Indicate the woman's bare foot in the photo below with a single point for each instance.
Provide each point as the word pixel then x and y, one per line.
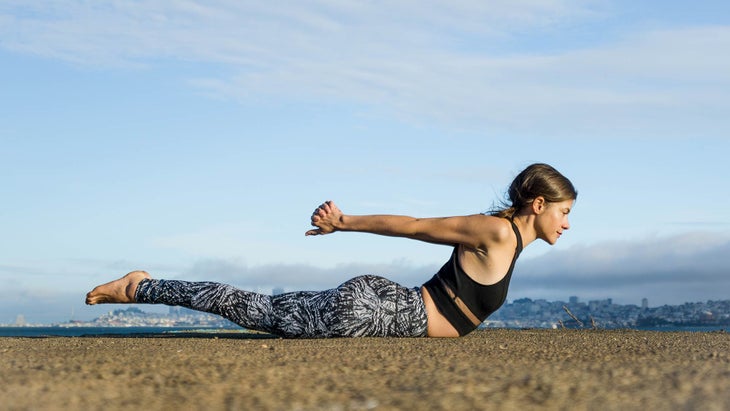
pixel 117 291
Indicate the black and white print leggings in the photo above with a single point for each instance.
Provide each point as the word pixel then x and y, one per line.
pixel 365 306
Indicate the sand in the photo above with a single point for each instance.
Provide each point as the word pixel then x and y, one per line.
pixel 490 369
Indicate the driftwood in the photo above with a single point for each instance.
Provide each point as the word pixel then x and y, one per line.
pixel 573 317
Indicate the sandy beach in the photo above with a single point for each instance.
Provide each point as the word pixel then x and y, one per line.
pixel 489 369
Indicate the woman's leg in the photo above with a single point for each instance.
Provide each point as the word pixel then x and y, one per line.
pixel 299 314
pixel 250 310
pixel 247 309
pixel 363 306
pixel 373 306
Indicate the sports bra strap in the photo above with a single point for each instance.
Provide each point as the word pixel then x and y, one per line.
pixel 518 249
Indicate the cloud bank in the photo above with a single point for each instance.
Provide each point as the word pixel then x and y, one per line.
pixel 667 270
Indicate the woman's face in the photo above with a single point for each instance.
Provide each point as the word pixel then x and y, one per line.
pixel 552 220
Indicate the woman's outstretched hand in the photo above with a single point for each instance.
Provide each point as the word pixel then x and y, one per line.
pixel 325 218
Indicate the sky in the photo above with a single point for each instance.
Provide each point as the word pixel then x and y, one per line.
pixel 193 139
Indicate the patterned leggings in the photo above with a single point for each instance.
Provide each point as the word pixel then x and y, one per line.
pixel 365 306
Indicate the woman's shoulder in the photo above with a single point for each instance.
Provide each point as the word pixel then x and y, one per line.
pixel 497 230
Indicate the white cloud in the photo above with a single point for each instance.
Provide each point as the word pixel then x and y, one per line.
pixel 441 60
pixel 254 33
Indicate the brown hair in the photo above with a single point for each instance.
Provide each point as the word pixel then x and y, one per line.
pixel 535 181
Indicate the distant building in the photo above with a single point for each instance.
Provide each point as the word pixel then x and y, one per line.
pixel 20 320
pixel 277 291
pixel 600 304
pixel 644 303
pixel 573 300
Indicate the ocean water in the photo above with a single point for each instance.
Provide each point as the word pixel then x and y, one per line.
pixel 85 331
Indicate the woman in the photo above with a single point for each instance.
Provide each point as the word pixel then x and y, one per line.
pixel 466 290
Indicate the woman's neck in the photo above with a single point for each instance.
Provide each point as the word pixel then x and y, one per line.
pixel 526 224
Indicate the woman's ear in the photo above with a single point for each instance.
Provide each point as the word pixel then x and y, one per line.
pixel 539 204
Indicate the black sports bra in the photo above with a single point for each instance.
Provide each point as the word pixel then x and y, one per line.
pixel 464 302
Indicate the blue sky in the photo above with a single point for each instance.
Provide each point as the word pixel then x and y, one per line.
pixel 194 139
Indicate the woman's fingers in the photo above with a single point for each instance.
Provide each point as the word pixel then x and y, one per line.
pixel 321 218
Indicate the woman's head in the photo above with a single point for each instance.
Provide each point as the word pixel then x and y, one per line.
pixel 537 180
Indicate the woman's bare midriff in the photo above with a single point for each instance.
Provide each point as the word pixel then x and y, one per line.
pixel 438 325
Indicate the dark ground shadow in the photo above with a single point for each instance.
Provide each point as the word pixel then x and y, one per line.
pixel 189 334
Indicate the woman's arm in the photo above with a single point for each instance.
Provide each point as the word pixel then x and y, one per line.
pixel 475 231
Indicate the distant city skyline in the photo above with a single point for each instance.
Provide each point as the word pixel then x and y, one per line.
pixel 520 313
